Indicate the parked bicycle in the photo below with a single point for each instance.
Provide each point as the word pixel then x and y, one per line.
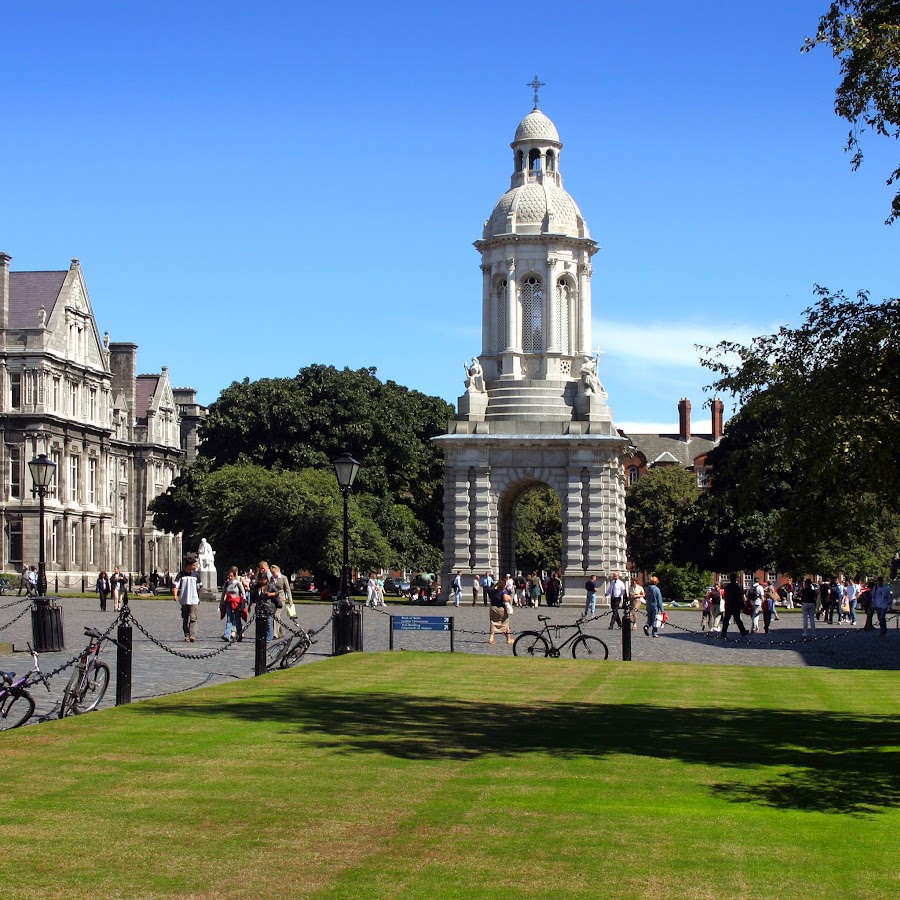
pixel 90 678
pixel 16 703
pixel 584 646
pixel 285 652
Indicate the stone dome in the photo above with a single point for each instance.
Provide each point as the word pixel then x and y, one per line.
pixel 536 208
pixel 536 127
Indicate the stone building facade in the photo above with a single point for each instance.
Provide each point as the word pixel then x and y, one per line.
pixel 118 438
pixel 534 412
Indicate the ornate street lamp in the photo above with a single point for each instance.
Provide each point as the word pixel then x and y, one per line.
pixel 42 471
pixel 346 469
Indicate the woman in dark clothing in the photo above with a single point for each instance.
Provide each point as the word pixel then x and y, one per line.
pixel 103 589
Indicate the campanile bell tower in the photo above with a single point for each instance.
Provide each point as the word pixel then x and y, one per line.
pixel 534 411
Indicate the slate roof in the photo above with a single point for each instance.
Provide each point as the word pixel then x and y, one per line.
pixel 654 446
pixel 145 388
pixel 28 292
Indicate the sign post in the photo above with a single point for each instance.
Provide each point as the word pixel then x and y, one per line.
pixel 420 623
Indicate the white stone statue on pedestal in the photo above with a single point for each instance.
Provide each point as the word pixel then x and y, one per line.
pixel 589 380
pixel 474 377
pixel 206 557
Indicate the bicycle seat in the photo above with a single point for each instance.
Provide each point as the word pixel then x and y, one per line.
pixel 92 632
pixel 8 676
pixel 543 618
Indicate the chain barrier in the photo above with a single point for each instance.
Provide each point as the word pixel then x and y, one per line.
pixel 177 653
pixel 16 619
pixel 25 599
pixel 194 687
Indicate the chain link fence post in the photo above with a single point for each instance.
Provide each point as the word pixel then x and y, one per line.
pixel 626 629
pixel 262 624
pixel 123 657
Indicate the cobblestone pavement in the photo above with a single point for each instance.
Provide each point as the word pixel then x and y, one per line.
pixel 157 672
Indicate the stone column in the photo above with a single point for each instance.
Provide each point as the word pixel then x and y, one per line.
pixel 584 308
pixel 550 317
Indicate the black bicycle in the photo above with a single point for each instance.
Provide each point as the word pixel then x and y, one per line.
pixel 90 677
pixel 584 646
pixel 285 652
pixel 16 703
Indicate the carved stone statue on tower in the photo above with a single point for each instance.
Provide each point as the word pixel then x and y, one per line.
pixel 474 377
pixel 590 381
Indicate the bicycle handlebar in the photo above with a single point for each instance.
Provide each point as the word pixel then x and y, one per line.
pixel 99 636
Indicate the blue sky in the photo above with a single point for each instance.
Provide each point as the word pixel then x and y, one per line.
pixel 252 188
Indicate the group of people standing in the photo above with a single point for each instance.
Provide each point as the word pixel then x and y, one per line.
pixel 266 585
pixel 524 590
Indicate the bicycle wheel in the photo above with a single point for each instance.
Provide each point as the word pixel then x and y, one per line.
pixel 295 653
pixel 15 710
pixel 91 688
pixel 274 653
pixel 530 643
pixel 589 647
pixel 67 706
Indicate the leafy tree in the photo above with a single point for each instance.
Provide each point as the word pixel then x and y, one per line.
pixel 865 36
pixel 682 582
pixel 652 506
pixel 295 519
pixel 539 531
pixel 814 445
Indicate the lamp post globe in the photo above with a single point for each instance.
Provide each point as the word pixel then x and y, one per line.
pixel 42 471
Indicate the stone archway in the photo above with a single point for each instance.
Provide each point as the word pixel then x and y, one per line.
pixel 508 522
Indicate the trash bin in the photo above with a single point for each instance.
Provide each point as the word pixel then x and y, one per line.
pixel 47 625
pixel 346 628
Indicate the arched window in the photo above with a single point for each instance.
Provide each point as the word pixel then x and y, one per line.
pixel 520 161
pixel 551 161
pixel 633 474
pixel 534 160
pixel 532 314
pixel 564 294
pixel 502 333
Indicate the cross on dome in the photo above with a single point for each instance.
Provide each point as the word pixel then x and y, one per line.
pixel 535 85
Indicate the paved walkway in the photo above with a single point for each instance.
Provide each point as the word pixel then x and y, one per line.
pixel 157 672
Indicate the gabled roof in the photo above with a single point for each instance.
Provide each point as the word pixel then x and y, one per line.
pixel 28 292
pixel 656 446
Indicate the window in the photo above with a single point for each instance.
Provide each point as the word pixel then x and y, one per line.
pixel 92 479
pixel 55 540
pixel 502 333
pixel 73 543
pixel 15 471
pixel 703 477
pixel 15 390
pixel 93 404
pixel 15 541
pixel 534 160
pixel 633 474
pixel 123 470
pixel 56 456
pixel 532 315
pixel 73 398
pixel 74 471
pixel 123 510
pixel 92 545
pixel 563 297
pixel 56 394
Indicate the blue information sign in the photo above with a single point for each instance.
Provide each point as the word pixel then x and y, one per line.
pixel 422 623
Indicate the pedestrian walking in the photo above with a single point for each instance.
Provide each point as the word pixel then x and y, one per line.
pixel 615 591
pixel 809 596
pixel 119 584
pixel 654 601
pixel 590 600
pixel 102 587
pixel 882 602
pixel 187 592
pixel 233 606
pixel 283 596
pixel 501 610
pixel 734 605
pixel 456 587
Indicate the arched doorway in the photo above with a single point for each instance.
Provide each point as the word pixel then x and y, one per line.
pixel 530 528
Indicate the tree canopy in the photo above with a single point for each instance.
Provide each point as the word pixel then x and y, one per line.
pixel 813 449
pixel 264 477
pixel 865 36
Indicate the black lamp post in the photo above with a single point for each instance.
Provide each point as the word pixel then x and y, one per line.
pixel 42 471
pixel 346 469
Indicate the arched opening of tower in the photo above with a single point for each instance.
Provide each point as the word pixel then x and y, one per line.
pixel 534 526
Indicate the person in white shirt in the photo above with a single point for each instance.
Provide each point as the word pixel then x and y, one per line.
pixel 187 592
pixel 616 593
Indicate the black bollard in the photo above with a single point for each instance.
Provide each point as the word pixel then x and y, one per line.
pixel 123 659
pixel 262 626
pixel 626 629
pixel 57 585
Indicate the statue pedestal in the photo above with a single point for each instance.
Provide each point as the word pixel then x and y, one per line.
pixel 209 588
pixel 473 405
pixel 592 407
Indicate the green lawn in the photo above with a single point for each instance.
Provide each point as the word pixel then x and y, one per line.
pixel 430 775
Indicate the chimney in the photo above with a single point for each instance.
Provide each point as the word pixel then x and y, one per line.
pixel 123 362
pixel 4 290
pixel 684 419
pixel 717 407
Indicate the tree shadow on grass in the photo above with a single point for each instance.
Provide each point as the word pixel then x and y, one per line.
pixel 843 763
